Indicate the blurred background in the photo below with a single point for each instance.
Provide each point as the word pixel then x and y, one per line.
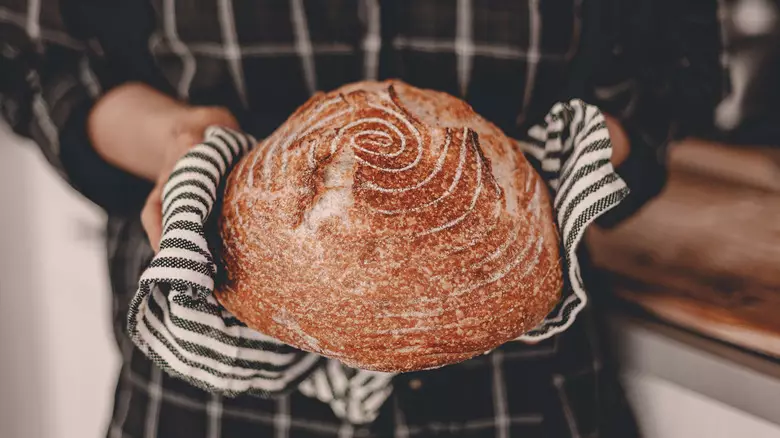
pixel 694 278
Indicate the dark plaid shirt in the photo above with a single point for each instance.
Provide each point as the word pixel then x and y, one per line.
pixel 647 62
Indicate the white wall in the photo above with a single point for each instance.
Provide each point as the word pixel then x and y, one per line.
pixel 58 361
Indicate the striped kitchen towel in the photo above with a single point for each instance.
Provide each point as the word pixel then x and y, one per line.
pixel 175 319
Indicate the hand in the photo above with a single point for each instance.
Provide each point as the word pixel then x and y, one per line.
pixel 184 137
pixel 145 132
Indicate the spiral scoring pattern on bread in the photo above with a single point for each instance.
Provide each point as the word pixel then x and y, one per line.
pixel 391 228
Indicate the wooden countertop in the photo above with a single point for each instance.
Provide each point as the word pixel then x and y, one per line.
pixel 705 255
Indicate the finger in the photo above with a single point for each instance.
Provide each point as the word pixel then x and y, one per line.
pixel 620 142
pixel 151 217
pixel 205 116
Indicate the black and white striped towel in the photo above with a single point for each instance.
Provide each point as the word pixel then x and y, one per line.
pixel 177 322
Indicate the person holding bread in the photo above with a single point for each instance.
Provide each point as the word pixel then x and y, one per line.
pixel 432 102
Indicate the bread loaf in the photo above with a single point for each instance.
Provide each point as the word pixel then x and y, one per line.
pixel 391 228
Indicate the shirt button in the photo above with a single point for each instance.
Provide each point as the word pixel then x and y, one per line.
pixel 415 384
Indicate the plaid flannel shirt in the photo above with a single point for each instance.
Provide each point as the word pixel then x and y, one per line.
pixel 262 58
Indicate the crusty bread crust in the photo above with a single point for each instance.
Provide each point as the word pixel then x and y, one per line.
pixel 391 228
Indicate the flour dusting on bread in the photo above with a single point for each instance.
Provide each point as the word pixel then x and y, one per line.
pixel 391 228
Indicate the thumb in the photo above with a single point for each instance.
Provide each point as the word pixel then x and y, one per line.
pixel 151 217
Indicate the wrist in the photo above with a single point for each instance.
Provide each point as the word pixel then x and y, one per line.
pixel 141 130
pixel 128 125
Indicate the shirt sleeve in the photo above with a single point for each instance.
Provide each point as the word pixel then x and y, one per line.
pixel 654 65
pixel 48 84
